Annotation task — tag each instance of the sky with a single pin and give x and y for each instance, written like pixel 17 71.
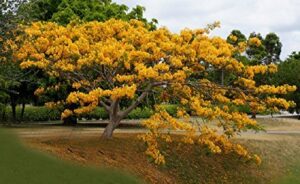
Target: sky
pixel 261 16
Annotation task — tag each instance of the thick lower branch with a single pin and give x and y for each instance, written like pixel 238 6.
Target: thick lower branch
pixel 140 98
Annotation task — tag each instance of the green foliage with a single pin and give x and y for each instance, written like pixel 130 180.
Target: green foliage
pixel 65 11
pixel 292 177
pixel 20 165
pixel 239 35
pixel 243 108
pixel 273 48
pixel 289 73
pixel 16 85
pixel 97 114
pixel 256 54
pixel 170 108
pixel 140 113
pixel 268 52
pixel 35 113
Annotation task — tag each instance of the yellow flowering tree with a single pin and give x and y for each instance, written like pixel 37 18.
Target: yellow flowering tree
pixel 113 61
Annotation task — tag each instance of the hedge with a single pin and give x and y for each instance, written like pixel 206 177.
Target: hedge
pixel 34 113
pixel 41 113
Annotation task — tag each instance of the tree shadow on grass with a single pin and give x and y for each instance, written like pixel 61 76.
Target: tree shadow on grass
pixel 19 165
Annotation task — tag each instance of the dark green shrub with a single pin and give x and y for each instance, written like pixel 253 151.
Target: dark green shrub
pixel 140 113
pixel 170 108
pixel 244 109
pixel 97 114
pixel 34 113
pixel 41 113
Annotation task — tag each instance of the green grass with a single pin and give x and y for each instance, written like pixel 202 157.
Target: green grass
pixel 293 177
pixel 21 166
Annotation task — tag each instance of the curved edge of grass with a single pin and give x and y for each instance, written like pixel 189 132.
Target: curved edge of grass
pixel 20 165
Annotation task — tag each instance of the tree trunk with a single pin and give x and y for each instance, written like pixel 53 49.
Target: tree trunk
pixel 13 109
pixel 4 113
pixel 115 115
pixel 222 77
pixel 110 127
pixel 70 121
pixel 22 111
pixel 253 115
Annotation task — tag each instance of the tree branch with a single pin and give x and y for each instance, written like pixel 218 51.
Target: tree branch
pixel 106 100
pixel 115 106
pixel 106 107
pixel 140 98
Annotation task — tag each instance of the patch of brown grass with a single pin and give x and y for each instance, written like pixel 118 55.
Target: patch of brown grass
pixel 185 164
pixel 124 152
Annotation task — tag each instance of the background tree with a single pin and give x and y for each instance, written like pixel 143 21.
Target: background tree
pixel 268 52
pixel 114 61
pixel 64 11
pixel 259 51
pixel 15 84
pixel 289 73
pixel 273 48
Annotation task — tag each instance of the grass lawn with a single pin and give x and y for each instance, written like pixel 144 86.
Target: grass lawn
pixel 19 165
pixel 292 177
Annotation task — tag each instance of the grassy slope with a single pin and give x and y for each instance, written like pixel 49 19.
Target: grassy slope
pixel 184 164
pixel 280 154
pixel 19 166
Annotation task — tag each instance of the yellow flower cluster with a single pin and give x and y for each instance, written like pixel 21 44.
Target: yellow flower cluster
pixel 66 114
pixel 220 98
pixel 90 101
pixel 238 101
pixel 271 89
pixel 85 109
pixel 125 78
pixel 79 84
pixel 248 83
pixel 250 71
pixel 76 85
pixel 53 105
pixel 125 91
pixel 233 38
pixel 152 148
pixel 242 46
pixel 146 73
pixel 272 68
pixel 278 102
pixel 158 124
pixel 255 42
pixel 39 91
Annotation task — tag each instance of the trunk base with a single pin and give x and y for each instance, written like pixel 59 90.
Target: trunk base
pixel 70 121
pixel 253 116
pixel 109 129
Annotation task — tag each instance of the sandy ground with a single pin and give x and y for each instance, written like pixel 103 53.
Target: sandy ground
pixel 273 126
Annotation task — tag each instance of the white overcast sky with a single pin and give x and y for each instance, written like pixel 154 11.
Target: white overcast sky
pixel 263 16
